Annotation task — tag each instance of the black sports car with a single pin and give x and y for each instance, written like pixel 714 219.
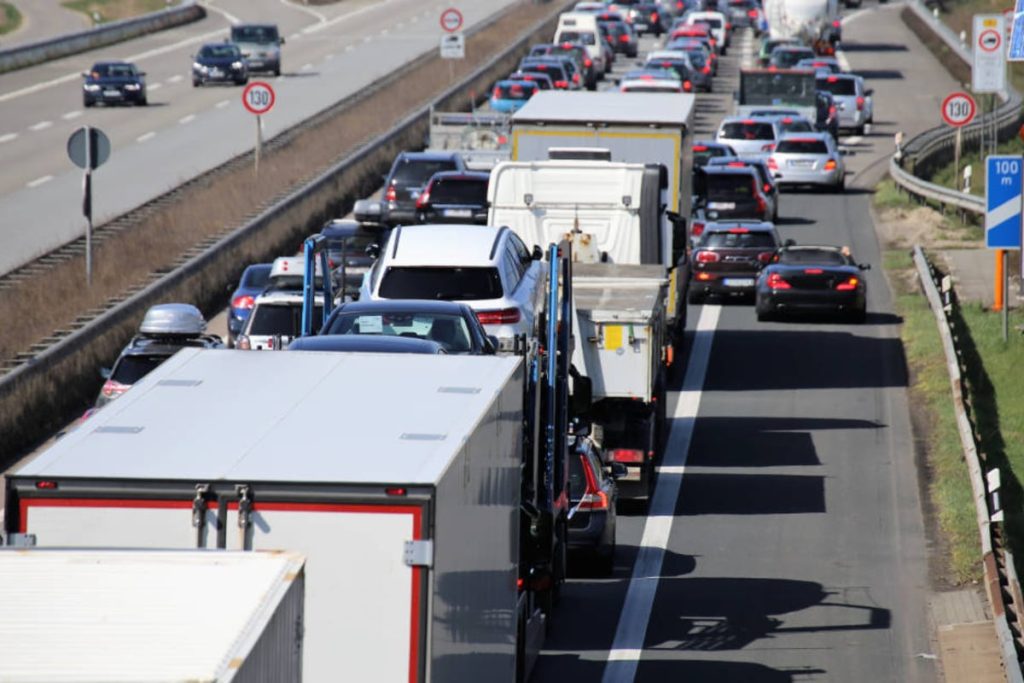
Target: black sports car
pixel 219 62
pixel 114 83
pixel 818 279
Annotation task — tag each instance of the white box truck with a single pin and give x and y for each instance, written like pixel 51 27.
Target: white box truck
pixel 151 616
pixel 397 476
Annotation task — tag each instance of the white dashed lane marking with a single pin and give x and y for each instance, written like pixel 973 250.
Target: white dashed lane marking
pixel 145 136
pixel 42 125
pixel 39 181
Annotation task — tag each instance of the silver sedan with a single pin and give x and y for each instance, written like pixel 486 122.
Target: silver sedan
pixel 808 159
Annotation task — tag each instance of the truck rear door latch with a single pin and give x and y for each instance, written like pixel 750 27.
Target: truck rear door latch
pixel 419 553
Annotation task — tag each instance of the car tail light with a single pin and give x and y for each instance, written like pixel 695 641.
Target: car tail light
pixel 243 301
pixel 752 13
pixel 562 85
pixel 576 79
pixel 594 498
pixel 654 16
pixel 831 110
pixel 696 229
pixel 423 199
pixel 687 86
pixel 772 164
pixel 770 147
pixel 767 188
pixel 505 316
pixel 813 271
pixel 243 343
pixel 728 26
pixel 736 164
pixel 627 455
pixel 765 256
pixel 832 79
pixel 830 165
pixel 775 281
pixel 848 285
pixel 835 23
pixel 623 38
pixel 588 62
pixel 762 206
pixel 496 93
pixel 112 389
pixel 860 104
pixel 707 257
pixel 680 4
pixel 706 69
pixel 391 194
pixel 700 148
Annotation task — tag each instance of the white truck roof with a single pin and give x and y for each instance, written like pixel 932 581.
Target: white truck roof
pixel 358 418
pixel 661 109
pixel 141 616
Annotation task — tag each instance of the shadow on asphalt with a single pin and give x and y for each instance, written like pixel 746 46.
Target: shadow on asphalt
pixel 881 74
pixel 803 359
pixel 873 47
pixel 752 494
pixel 571 667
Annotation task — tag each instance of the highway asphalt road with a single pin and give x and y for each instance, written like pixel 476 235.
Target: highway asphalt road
pixel 332 51
pixel 786 539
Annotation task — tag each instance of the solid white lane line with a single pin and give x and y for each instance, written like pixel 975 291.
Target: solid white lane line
pixel 628 645
pixel 72 115
pixel 42 125
pixel 145 136
pixel 39 181
pixel 222 104
pixel 176 78
pixel 223 12
pixel 345 17
pixel 155 86
pixel 7 137
pixel 308 10
pixel 328 57
pixel 187 119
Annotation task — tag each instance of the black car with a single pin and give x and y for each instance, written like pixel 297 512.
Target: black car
pixel 114 83
pixel 728 256
pixel 815 279
pixel 454 197
pixel 731 193
pixel 679 65
pixel 560 72
pixel 408 177
pixel 592 500
pixel 219 62
pixel 452 325
pixel 577 53
pixel 649 17
pixel 347 257
pixel 769 186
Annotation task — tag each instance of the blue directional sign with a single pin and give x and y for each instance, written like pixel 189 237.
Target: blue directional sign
pixel 1016 51
pixel 1002 201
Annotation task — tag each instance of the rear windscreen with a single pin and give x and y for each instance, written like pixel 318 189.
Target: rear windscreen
pixel 582 37
pixel 284 319
pixel 444 284
pixel 824 257
pixel 752 130
pixel 729 186
pixel 802 147
pixel 513 91
pixel 713 22
pixel 255 278
pixel 459 191
pixel 738 240
pixel 254 34
pixel 130 369
pixel 416 172
pixel 796 127
pixel 555 71
pixel 839 86
pixel 788 58
pixel 702 155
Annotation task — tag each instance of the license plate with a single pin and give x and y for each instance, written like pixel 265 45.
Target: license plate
pixel 738 282
pixel 112 93
pixel 632 474
pixel 640 25
pixel 721 205
pixel 458 213
pixel 802 163
pixel 216 73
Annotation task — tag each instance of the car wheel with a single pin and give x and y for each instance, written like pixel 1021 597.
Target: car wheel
pixel 143 102
pixel 86 102
pixel 196 83
pixel 859 130
pixel 277 70
pixel 605 562
pixel 840 186
pixel 858 316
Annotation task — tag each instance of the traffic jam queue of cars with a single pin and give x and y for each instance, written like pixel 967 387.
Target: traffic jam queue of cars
pixel 497 245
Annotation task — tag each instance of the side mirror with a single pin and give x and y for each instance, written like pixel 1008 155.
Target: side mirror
pixel 105 373
pixel 491 345
pixel 789 243
pixel 582 394
pixel 373 251
pixel 537 254
pixel 869 92
pixel 580 428
pixel 141 74
pixel 618 470
pixel 864 266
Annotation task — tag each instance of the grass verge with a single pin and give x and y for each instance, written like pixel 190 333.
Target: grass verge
pixel 103 11
pixel 948 176
pixel 10 18
pixel 949 488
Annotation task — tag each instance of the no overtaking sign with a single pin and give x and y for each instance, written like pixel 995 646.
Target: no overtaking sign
pixel 988 72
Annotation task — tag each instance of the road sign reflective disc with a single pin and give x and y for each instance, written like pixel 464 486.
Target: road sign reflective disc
pixel 258 97
pixel 451 20
pixel 958 109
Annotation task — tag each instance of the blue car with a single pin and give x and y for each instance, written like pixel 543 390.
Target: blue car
pixel 254 280
pixel 509 96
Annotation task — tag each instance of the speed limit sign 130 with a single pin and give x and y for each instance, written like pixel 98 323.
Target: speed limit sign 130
pixel 258 97
pixel 958 109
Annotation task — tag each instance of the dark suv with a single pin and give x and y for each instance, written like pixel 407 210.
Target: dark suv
pixel 408 178
pixel 731 193
pixel 728 256
pixel 454 197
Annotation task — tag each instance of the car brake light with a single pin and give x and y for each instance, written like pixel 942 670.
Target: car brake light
pixel 770 147
pixel 623 38
pixel 848 286
pixel 752 13
pixel 707 256
pixel 242 301
pixel 767 187
pixel 687 86
pixel 505 316
pixel 736 164
pixel 594 498
pixel 813 271
pixel 423 199
pixel 772 164
pixel 496 93
pixel 391 195
pixel 775 281
pixel 832 79
pixel 46 484
pixel 830 165
pixel 654 16
pixel 562 84
pixel 835 23
pixel 700 148
pixel 706 69
pixel 860 104
pixel 588 62
pixel 626 455
pixel 832 110
pixel 697 229
pixel 761 204
pixel 112 389
pixel 765 256
pixel 739 231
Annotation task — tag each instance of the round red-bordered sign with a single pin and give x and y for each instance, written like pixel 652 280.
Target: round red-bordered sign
pixel 258 97
pixel 451 20
pixel 958 109
pixel 990 40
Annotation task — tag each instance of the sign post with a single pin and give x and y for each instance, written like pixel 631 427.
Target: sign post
pixel 88 148
pixel 1003 196
pixel 453 44
pixel 958 109
pixel 258 97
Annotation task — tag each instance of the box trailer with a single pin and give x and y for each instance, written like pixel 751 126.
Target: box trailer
pixel 397 476
pixel 151 616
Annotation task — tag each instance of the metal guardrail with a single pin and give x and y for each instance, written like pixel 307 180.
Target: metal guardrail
pixel 107 34
pixel 40 395
pixel 1001 582
pixel 926 152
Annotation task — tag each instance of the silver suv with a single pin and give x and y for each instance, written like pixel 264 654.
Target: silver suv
pixel 260 45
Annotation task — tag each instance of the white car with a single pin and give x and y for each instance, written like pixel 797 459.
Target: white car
pixel 275 320
pixel 490 269
pixel 750 136
pixel 718 23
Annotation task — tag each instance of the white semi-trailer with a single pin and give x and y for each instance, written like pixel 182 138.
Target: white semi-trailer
pixel 399 477
pixel 813 22
pixel 151 616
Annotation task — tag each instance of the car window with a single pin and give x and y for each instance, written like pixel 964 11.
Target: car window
pixel 219 51
pixel 450 331
pixel 254 278
pixel 577 477
pixel 729 186
pixel 130 369
pixel 838 86
pixel 284 319
pixel 748 130
pixel 512 267
pixel 738 239
pixel 796 126
pixel 416 172
pixel 704 153
pixel 584 37
pixel 443 284
pixel 802 147
pixel 458 191
pixel 828 257
pixel 520 248
pixel 513 91
pixel 254 34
